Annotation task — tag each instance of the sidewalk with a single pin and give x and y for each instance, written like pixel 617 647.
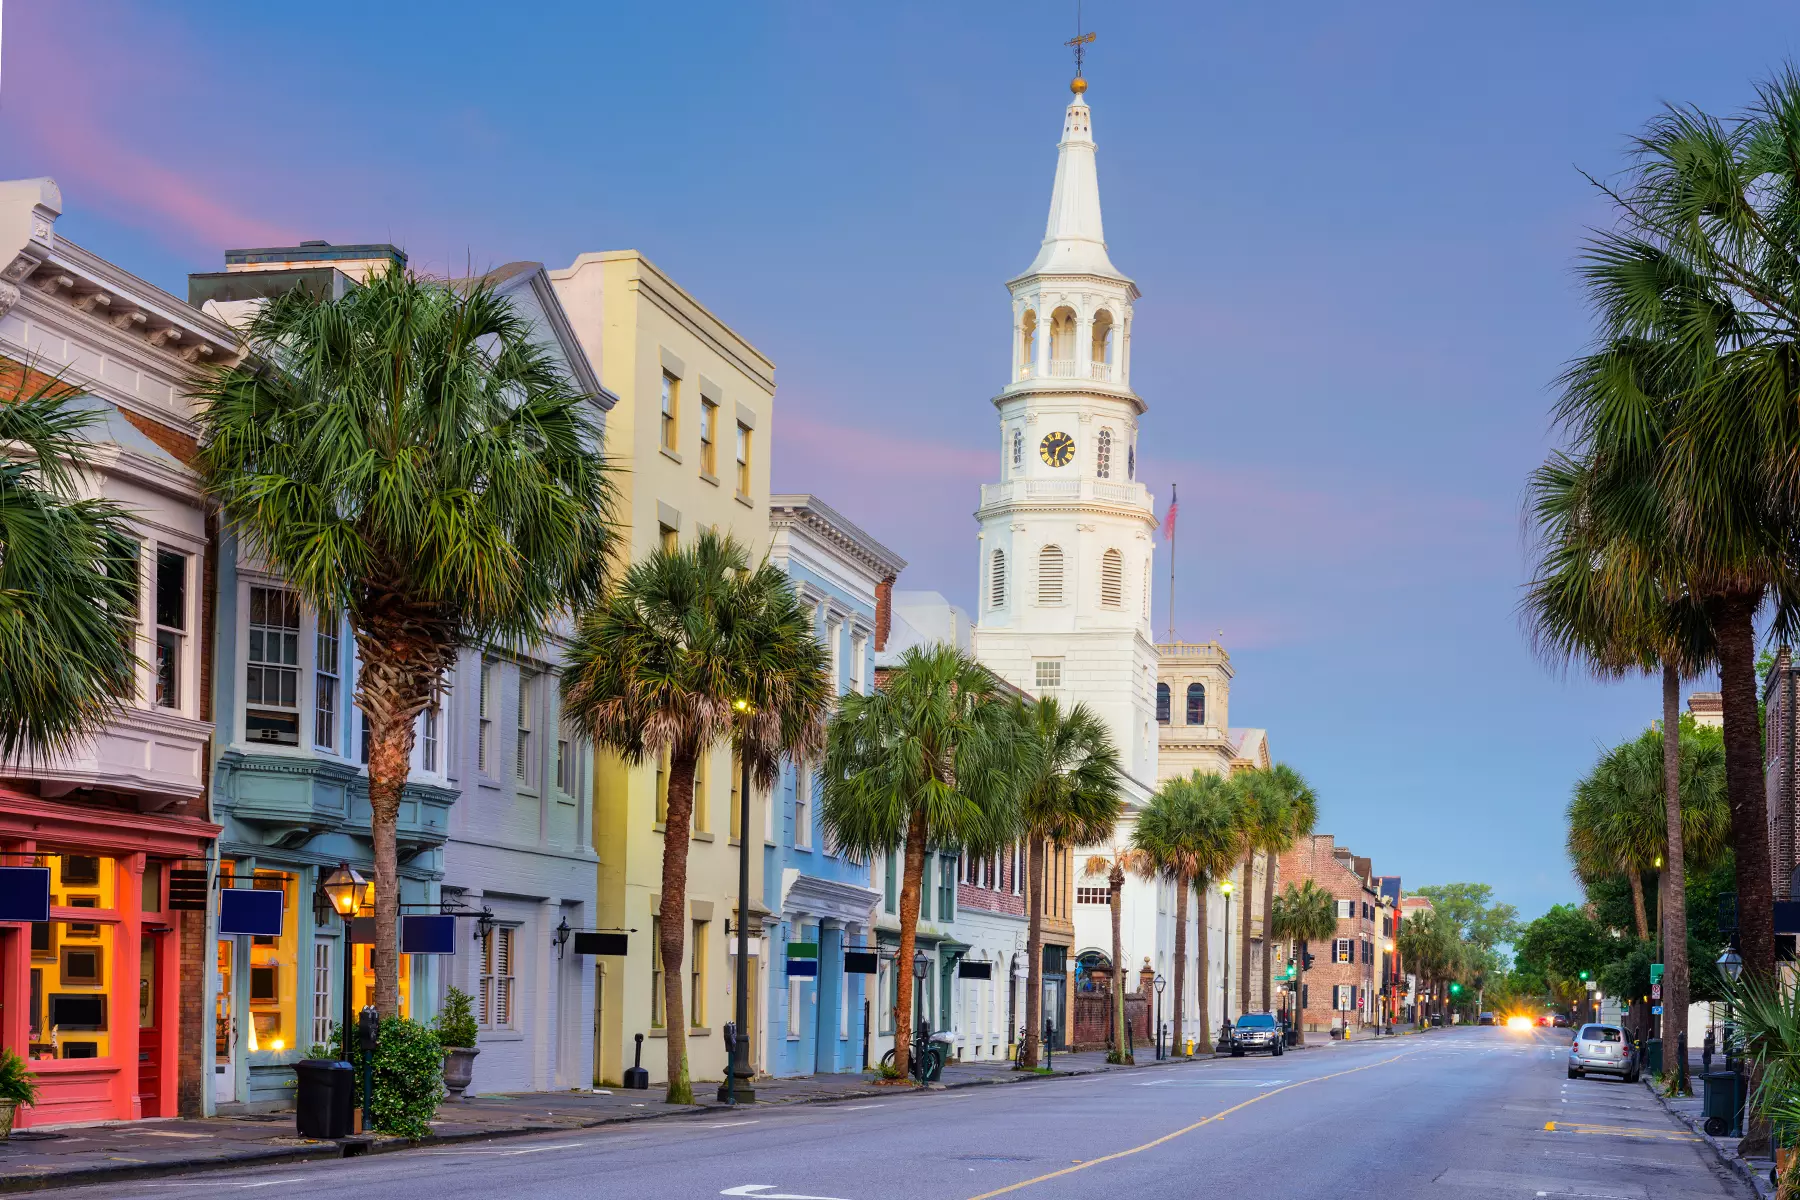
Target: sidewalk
pixel 1686 1109
pixel 61 1157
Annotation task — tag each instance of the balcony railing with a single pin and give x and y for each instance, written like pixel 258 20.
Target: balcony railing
pixel 1017 491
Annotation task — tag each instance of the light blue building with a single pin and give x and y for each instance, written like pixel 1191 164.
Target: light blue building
pixel 822 899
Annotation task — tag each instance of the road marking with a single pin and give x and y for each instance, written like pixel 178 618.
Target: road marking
pixel 541 1149
pixel 734 1125
pixel 1636 1131
pixel 1186 1129
pixel 762 1190
pixel 1542 1185
pixel 861 1107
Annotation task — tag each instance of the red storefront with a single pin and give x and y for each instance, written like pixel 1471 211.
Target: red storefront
pixel 92 997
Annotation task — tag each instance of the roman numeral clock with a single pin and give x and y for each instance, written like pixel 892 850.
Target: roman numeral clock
pixel 1057 449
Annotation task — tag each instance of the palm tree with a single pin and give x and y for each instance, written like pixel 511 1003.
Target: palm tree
pixel 1069 796
pixel 68 575
pixel 1431 949
pixel 1113 865
pixel 1299 807
pixel 1302 913
pixel 932 759
pixel 695 647
pixel 1263 821
pixel 406 455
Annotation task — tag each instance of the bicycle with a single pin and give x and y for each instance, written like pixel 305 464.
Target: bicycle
pixel 926 1061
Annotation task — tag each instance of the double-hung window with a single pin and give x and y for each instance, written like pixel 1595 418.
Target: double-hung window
pixel 484 734
pixel 327 682
pixel 272 670
pixel 431 737
pixel 802 807
pixel 709 437
pixel 525 745
pixel 171 625
pixel 743 459
pixel 671 401
pixel 1340 951
pixel 697 977
pixel 1346 910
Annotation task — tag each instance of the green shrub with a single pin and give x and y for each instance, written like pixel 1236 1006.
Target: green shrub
pixel 409 1078
pixel 456 1023
pixel 16 1080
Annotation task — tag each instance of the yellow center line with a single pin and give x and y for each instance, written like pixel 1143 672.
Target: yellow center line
pixel 1637 1131
pixel 1169 1137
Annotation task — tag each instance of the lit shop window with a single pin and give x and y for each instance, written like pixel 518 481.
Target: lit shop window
pixel 274 969
pixel 73 960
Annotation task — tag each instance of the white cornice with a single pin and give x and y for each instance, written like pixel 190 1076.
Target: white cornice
pixel 1079 389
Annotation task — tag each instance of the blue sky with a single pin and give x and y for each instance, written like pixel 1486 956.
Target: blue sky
pixel 1354 228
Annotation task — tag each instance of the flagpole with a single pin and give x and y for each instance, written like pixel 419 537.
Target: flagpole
pixel 1171 521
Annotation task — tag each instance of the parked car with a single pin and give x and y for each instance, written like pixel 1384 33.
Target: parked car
pixel 1256 1031
pixel 1603 1050
pixel 1486 1018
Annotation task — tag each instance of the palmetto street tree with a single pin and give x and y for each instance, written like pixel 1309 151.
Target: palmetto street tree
pixel 1303 912
pixel 933 758
pixel 407 455
pixel 693 648
pixel 1068 796
pixel 68 575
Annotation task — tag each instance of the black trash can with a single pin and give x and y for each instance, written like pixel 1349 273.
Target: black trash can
pixel 1653 1056
pixel 1719 1102
pixel 324 1099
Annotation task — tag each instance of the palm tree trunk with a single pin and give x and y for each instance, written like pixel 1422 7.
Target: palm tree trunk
pixel 1116 881
pixel 1034 953
pixel 399 674
pixel 1673 893
pixel 1244 943
pixel 1268 967
pixel 1182 883
pixel 671 916
pixel 1734 623
pixel 912 883
pixel 1201 887
pixel 1733 619
pixel 1637 902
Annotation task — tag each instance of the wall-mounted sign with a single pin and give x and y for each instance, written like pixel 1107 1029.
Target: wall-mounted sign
pixel 803 950
pixel 974 970
pixel 24 894
pixel 802 968
pixel 250 911
pixel 187 890
pixel 428 933
pixel 612 944
pixel 859 962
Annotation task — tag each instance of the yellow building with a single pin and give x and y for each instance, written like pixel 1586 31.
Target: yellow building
pixel 690 436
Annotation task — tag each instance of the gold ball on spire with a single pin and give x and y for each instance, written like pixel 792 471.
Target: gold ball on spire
pixel 1078 85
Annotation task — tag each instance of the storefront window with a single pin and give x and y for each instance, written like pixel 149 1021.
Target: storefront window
pixel 365 979
pixel 274 973
pixel 72 960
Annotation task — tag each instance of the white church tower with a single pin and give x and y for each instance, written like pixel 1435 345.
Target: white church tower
pixel 1066 533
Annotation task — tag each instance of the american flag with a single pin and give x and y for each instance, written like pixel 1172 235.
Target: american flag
pixel 1169 519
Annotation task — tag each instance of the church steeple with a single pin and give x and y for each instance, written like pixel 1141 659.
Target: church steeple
pixel 1074 238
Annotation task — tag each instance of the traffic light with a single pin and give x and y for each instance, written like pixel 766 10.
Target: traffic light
pixel 1455 988
pixel 1306 959
pixel 1584 976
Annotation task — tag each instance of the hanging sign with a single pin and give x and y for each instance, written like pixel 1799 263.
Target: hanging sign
pixel 803 950
pixel 187 890
pixel 859 962
pixel 608 944
pixel 254 911
pixel 803 968
pixel 428 933
pixel 24 894
pixel 974 970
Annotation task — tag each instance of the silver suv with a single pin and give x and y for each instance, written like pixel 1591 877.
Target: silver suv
pixel 1256 1031
pixel 1603 1050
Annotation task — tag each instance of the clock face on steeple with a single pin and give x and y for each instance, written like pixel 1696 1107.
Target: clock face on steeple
pixel 1057 449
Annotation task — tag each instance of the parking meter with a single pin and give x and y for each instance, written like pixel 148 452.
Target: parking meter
pixel 730 1032
pixel 368 1036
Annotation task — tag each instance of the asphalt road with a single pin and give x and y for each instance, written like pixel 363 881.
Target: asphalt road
pixel 1450 1114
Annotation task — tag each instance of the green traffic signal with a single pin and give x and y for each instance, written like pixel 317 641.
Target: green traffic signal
pixel 1584 975
pixel 1455 988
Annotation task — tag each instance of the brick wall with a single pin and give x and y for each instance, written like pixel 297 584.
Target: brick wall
pixel 987 883
pixel 1319 859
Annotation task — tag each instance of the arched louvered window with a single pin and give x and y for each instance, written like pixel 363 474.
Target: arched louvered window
pixel 1162 704
pixel 1131 461
pixel 1103 455
pixel 1196 704
pixel 1050 575
pixel 997 581
pixel 1018 449
pixel 1112 579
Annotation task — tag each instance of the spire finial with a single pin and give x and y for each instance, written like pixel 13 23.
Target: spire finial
pixel 1079 43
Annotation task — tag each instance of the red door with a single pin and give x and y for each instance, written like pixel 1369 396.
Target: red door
pixel 150 1019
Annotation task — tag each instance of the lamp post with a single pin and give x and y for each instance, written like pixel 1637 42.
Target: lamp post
pixel 1225 1000
pixel 1731 966
pixel 345 889
pixel 737 1073
pixel 1159 983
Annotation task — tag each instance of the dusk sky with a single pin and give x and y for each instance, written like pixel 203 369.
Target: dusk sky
pixel 1354 228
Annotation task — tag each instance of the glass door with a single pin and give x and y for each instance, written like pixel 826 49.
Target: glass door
pixel 224 1029
pixel 150 1021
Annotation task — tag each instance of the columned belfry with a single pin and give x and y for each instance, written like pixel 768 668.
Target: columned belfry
pixel 1066 543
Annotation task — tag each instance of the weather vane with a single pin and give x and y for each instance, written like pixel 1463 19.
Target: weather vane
pixel 1080 42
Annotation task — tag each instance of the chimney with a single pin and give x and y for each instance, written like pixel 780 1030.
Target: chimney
pixel 884 612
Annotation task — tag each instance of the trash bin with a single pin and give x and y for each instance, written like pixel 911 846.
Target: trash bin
pixel 1653 1056
pixel 1719 1102
pixel 324 1099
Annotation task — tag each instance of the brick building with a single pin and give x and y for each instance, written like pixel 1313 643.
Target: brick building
pixel 1343 989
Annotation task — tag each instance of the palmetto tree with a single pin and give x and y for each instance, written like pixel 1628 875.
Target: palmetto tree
pixel 1068 796
pixel 1185 834
pixel 1263 822
pixel 68 575
pixel 934 758
pixel 1299 806
pixel 693 648
pixel 408 456
pixel 1301 913
pixel 1432 951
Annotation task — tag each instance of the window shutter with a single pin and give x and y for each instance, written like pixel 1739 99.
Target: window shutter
pixel 1050 575
pixel 997 585
pixel 1112 579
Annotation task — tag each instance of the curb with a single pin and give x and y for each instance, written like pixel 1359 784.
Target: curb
pixel 334 1150
pixel 1756 1177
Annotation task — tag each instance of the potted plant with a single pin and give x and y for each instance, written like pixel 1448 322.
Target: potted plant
pixel 456 1030
pixel 17 1086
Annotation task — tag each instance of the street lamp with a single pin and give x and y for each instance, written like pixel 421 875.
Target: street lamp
pixel 1159 984
pixel 921 968
pixel 345 888
pixel 737 1071
pixel 1225 1001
